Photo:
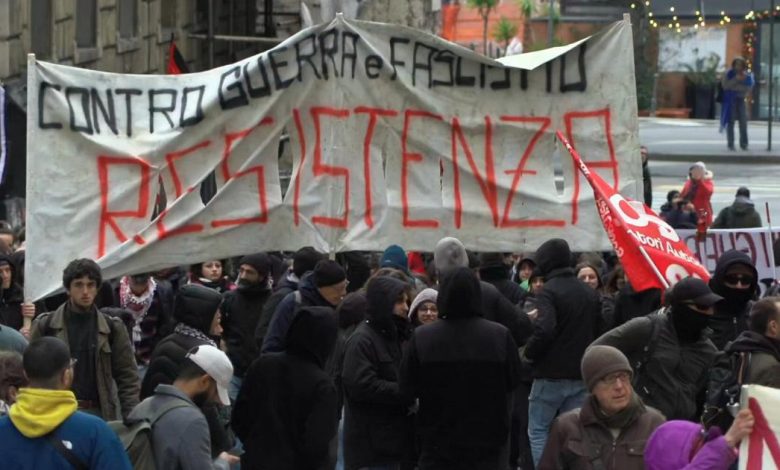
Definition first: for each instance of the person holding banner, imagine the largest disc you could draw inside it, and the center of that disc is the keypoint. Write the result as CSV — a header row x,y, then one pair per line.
x,y
698,190
670,351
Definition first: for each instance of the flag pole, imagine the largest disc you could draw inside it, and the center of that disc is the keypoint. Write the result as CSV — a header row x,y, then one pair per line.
x,y
771,241
654,267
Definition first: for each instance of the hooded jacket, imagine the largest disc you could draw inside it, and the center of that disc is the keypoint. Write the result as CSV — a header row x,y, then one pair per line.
x,y
11,299
764,351
376,429
195,307
310,296
741,214
569,316
499,277
463,369
287,285
630,304
287,410
241,311
731,314
700,194
671,445
24,442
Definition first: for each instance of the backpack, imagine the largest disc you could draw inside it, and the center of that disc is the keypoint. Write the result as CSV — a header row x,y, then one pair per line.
x,y
647,353
724,385
136,436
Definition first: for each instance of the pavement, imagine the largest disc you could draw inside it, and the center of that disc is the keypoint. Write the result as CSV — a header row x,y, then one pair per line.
x,y
691,140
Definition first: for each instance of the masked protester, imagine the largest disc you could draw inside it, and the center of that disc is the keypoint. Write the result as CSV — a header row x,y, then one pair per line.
x,y
612,426
241,310
671,348
736,280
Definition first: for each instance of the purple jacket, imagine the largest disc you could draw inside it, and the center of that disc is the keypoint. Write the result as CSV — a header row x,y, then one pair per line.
x,y
670,447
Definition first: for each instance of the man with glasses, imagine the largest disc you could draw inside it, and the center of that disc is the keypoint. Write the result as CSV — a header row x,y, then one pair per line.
x,y
611,428
670,350
736,280
44,428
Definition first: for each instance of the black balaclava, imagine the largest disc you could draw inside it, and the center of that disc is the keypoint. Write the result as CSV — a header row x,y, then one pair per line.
x,y
733,299
688,323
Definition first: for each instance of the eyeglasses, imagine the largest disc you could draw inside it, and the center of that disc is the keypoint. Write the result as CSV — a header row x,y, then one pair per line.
x,y
612,379
734,279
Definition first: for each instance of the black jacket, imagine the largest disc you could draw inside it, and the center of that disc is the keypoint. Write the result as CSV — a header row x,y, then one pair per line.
x,y
241,311
287,413
287,285
463,369
630,304
499,277
569,317
675,376
376,428
765,352
11,299
731,314
495,307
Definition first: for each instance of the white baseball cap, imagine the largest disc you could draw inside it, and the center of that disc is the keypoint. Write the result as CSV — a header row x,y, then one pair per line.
x,y
217,365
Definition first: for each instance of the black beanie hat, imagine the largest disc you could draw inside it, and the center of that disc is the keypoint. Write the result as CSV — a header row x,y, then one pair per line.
x,y
260,261
305,260
328,273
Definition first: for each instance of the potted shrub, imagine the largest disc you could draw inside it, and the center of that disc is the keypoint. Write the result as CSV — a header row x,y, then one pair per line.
x,y
701,79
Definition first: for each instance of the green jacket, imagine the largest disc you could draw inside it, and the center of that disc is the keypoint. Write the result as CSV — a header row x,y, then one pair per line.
x,y
738,215
117,373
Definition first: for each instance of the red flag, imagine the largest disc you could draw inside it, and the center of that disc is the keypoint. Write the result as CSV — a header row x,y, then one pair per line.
x,y
652,253
176,63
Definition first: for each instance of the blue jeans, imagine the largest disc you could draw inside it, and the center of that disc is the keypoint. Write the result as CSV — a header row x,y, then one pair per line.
x,y
548,399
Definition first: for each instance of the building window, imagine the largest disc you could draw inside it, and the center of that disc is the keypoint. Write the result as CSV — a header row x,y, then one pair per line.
x,y
86,24
40,28
128,18
168,14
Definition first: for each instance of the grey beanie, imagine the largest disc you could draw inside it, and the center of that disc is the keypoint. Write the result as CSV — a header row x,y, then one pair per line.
x,y
449,254
600,361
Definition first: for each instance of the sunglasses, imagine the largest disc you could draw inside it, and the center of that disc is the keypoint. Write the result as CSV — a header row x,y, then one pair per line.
x,y
745,280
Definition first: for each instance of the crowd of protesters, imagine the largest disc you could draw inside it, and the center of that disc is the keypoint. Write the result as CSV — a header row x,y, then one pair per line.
x,y
438,360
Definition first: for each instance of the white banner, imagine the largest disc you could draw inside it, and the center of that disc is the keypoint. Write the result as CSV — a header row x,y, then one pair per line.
x,y
397,137
761,451
755,242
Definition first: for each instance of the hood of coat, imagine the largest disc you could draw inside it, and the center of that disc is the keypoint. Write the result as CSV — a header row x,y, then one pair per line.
x,y
671,445
352,310
382,294
313,334
38,411
750,341
460,295
310,292
196,306
727,260
742,206
553,254
14,293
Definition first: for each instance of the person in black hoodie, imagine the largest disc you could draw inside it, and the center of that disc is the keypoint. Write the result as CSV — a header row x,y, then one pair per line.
x,y
286,413
241,310
12,306
736,280
463,369
196,311
376,426
493,270
569,319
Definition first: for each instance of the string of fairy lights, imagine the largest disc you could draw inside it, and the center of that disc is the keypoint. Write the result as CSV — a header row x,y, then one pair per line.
x,y
750,30
676,22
